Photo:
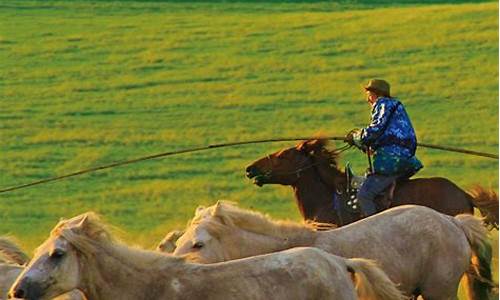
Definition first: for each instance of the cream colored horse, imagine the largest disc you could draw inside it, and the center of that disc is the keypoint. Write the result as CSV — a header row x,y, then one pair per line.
x,y
81,254
167,244
10,251
12,258
382,287
11,267
8,274
423,251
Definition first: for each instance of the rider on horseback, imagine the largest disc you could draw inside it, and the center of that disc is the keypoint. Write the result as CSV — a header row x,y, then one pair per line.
x,y
391,138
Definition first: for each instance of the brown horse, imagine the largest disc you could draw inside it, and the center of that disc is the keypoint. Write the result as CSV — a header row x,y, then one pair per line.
x,y
313,173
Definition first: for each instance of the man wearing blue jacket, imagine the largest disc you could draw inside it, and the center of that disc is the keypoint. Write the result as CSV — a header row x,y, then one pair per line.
x,y
392,140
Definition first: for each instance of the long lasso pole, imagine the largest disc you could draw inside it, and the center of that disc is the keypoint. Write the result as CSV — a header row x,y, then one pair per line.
x,y
213,146
451,149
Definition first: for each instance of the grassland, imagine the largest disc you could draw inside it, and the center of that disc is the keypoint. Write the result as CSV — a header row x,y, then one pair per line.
x,y
88,83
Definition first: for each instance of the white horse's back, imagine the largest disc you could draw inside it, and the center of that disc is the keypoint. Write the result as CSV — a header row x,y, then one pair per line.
x,y
429,245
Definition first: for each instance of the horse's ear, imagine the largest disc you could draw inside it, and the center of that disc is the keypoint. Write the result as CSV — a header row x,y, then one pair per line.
x,y
311,145
199,210
220,214
81,225
317,144
90,225
217,208
302,146
83,222
168,244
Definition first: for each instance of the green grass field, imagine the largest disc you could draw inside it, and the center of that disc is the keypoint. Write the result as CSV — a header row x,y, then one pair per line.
x,y
89,83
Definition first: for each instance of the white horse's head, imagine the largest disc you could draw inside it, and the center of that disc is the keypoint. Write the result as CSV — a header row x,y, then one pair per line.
x,y
201,241
224,231
56,266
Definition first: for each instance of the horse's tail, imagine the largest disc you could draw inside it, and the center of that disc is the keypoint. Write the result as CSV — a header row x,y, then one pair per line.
x,y
479,282
371,282
487,203
11,252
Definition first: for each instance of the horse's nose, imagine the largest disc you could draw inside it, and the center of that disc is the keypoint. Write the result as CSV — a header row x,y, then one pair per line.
x,y
18,292
251,171
25,288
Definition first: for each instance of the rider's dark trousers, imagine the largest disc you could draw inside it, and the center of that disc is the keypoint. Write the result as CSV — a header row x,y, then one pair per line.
x,y
374,184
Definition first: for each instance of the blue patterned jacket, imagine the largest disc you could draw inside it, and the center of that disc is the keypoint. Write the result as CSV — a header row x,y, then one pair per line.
x,y
392,137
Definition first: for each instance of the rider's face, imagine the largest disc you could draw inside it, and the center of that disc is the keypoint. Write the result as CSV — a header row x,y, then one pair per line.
x,y
371,98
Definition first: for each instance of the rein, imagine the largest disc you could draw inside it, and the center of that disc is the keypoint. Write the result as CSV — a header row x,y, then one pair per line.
x,y
299,170
296,171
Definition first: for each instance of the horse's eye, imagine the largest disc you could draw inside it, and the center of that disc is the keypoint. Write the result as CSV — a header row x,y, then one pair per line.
x,y
58,253
198,245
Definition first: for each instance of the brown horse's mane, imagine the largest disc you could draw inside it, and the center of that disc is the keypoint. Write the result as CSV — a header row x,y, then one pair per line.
x,y
229,214
328,155
318,148
328,161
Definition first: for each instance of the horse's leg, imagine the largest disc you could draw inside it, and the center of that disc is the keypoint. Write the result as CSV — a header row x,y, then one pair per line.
x,y
437,289
439,295
452,297
443,282
447,270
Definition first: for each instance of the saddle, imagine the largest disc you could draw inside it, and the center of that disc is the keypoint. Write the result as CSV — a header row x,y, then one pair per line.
x,y
354,182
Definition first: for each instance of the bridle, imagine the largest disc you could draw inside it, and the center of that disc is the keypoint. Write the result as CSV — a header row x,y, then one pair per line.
x,y
307,165
297,171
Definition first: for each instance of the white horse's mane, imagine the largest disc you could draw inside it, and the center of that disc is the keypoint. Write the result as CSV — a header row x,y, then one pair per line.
x,y
229,214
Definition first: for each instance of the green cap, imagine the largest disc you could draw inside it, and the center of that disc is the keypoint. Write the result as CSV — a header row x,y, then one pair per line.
x,y
379,86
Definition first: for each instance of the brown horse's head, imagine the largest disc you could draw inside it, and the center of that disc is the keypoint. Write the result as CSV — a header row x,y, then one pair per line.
x,y
285,166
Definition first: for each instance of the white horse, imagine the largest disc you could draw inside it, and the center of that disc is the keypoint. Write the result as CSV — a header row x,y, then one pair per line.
x,y
13,260
81,254
423,251
167,244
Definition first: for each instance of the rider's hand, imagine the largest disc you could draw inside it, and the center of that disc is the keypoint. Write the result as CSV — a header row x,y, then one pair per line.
x,y
353,138
350,136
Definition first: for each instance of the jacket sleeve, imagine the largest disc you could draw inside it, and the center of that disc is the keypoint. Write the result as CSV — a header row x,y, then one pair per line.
x,y
380,116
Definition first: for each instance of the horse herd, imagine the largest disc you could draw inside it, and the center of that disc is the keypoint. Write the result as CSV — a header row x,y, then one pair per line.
x,y
227,252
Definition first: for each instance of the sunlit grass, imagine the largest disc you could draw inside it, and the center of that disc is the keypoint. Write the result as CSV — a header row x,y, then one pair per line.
x,y
89,83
